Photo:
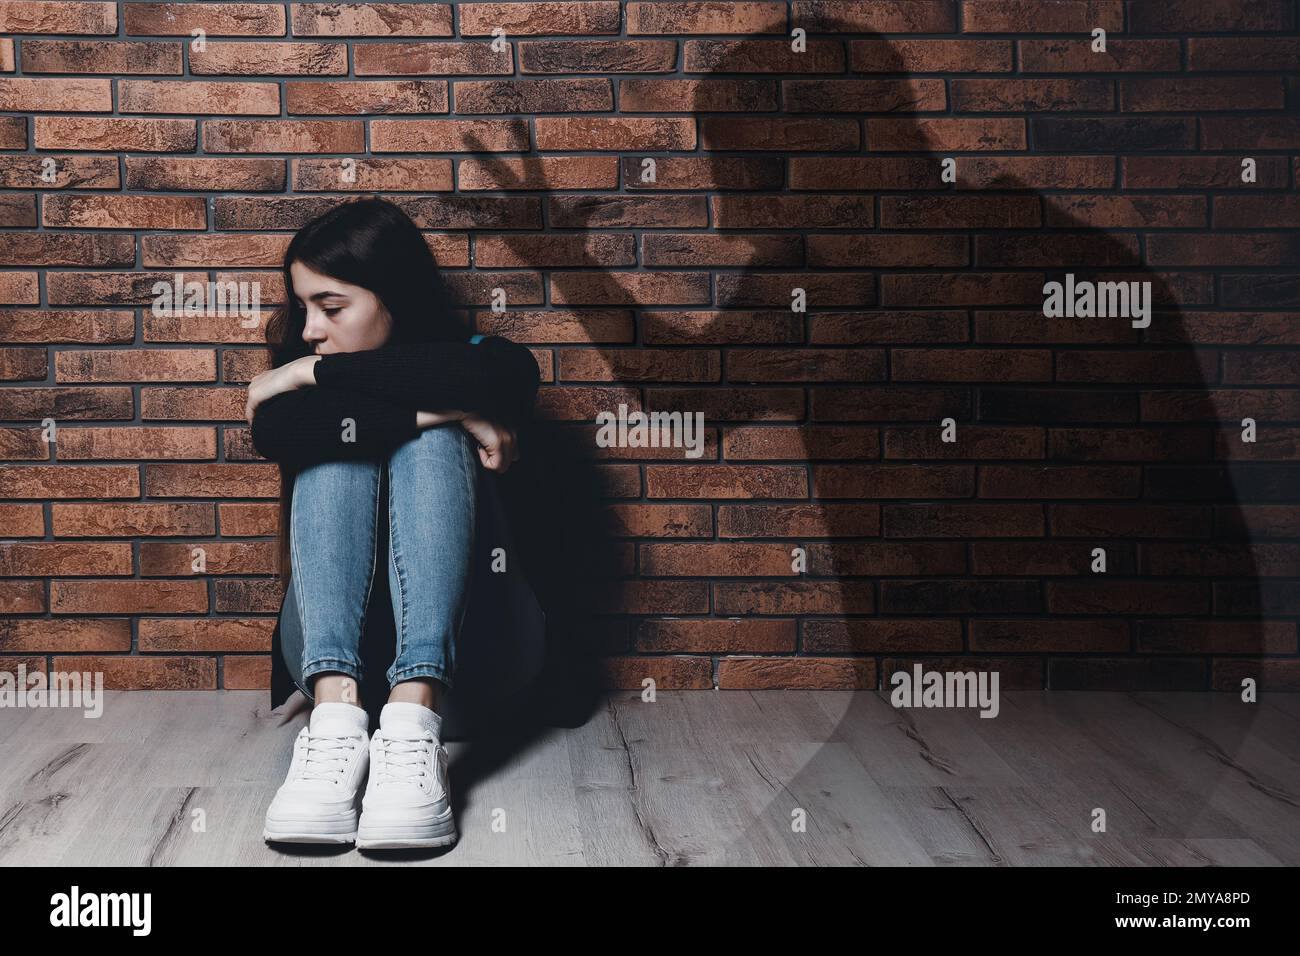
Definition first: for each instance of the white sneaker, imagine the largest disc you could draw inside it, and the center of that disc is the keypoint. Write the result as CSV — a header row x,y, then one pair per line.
x,y
317,803
407,801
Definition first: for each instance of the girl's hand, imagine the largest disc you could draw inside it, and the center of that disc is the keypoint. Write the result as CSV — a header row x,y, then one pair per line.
x,y
497,447
296,374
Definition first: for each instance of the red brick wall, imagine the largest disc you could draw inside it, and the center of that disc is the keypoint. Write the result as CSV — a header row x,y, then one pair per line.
x,y
819,169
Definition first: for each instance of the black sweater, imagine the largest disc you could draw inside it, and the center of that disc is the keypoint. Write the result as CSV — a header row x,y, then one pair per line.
x,y
380,390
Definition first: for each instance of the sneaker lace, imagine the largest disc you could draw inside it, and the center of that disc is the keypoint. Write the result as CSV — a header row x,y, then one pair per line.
x,y
327,756
401,759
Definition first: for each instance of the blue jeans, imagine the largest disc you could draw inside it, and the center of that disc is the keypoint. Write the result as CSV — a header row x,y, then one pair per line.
x,y
334,528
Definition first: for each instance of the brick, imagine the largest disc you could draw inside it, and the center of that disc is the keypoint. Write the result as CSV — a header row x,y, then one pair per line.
x,y
890,16
18,210
247,596
1161,598
875,96
191,96
246,672
71,635
777,212
1233,54
180,634
796,520
23,444
373,20
1196,16
58,16
140,673
1054,95
599,133
794,597
668,673
13,132
430,59
130,520
1114,133
22,597
717,636
283,136
957,135
1249,132
1039,558
212,481
215,19
803,673
813,441
1201,94
805,365
533,18
959,597
354,97
66,403
1020,172
218,557
865,636
929,56
270,59
244,175
124,212
552,172
1042,16
1057,635
1260,212
70,481
1120,56
134,365
589,56
39,559
113,57
1239,249
70,172
724,481
22,364
143,443
23,521
963,521
960,212
1128,212
56,96
116,133
892,481
527,96
66,249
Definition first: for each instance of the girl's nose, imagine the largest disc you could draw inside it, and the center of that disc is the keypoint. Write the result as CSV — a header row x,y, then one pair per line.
x,y
313,331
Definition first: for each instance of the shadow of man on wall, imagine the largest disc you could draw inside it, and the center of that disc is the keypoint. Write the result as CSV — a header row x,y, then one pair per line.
x,y
1072,435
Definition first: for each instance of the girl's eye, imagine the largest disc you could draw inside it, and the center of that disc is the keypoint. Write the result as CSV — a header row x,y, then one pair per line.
x,y
331,312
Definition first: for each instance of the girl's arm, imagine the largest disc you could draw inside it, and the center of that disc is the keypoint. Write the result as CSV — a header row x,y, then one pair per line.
x,y
495,378
306,426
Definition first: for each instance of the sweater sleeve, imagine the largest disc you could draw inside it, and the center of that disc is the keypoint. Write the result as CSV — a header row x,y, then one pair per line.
x,y
309,425
496,378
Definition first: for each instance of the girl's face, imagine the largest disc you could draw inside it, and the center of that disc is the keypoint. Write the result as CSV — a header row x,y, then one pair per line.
x,y
340,317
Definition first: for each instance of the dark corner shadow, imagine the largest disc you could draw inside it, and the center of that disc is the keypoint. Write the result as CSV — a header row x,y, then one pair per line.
x,y
1180,542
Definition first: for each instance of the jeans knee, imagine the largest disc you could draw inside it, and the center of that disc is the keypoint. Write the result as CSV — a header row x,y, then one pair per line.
x,y
337,482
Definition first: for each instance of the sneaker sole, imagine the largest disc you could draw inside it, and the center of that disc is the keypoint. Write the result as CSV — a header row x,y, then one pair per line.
x,y
407,837
310,831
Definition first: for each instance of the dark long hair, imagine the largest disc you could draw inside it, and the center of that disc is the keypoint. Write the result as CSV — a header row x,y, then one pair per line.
x,y
373,244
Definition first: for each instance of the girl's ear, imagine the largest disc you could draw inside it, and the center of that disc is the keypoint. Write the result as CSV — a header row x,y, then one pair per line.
x,y
386,317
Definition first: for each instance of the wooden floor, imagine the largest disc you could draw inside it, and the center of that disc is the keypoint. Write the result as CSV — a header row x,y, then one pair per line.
x,y
184,778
